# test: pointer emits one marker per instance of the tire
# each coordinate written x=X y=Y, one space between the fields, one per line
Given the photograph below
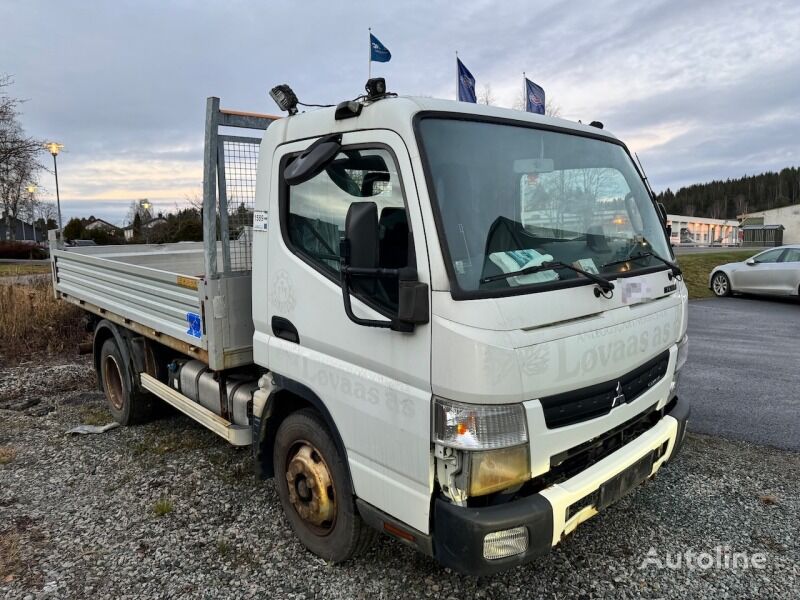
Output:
x=327 y=523
x=128 y=407
x=721 y=285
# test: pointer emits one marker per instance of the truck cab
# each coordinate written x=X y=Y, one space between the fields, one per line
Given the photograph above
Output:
x=458 y=325
x=436 y=275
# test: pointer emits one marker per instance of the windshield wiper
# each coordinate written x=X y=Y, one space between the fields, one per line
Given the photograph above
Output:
x=603 y=283
x=676 y=270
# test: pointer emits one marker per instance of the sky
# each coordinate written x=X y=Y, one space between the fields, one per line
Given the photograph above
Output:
x=701 y=90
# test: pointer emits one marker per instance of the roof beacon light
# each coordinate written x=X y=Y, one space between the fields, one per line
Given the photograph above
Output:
x=285 y=98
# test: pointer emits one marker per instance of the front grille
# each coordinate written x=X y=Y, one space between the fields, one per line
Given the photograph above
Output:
x=597 y=400
x=569 y=463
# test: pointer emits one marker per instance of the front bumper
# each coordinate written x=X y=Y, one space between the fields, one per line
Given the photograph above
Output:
x=459 y=531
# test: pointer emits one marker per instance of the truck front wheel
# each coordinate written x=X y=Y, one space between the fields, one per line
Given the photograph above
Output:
x=315 y=490
x=126 y=406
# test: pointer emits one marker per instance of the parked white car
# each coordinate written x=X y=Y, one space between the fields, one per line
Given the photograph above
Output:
x=775 y=272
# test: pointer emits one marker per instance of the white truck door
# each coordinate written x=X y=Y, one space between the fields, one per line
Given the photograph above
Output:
x=375 y=382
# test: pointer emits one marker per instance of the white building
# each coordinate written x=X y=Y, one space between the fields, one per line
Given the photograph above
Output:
x=788 y=216
x=702 y=231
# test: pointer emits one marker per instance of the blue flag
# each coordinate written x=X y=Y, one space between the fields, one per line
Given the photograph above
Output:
x=466 y=83
x=378 y=52
x=534 y=97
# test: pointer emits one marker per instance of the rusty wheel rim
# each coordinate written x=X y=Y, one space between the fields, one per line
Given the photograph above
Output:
x=311 y=491
x=112 y=381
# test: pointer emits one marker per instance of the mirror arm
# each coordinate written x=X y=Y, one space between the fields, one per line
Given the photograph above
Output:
x=368 y=272
x=346 y=272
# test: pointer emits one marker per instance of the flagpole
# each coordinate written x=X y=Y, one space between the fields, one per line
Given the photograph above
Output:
x=524 y=93
x=456 y=75
x=369 y=62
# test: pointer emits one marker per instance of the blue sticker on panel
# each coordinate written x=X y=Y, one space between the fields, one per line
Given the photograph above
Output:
x=195 y=326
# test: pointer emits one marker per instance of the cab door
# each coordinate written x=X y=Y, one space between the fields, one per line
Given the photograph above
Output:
x=375 y=382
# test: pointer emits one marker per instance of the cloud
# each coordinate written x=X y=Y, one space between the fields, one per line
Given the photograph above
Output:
x=701 y=90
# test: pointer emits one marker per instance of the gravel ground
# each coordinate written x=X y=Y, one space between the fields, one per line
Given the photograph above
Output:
x=168 y=510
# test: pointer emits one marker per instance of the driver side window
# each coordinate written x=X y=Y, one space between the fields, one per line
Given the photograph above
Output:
x=316 y=210
x=770 y=256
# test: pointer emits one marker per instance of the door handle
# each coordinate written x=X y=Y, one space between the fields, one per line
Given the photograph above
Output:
x=284 y=329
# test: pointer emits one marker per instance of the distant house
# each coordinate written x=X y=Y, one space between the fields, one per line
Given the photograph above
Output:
x=20 y=230
x=787 y=216
x=100 y=224
x=703 y=231
x=147 y=225
x=159 y=220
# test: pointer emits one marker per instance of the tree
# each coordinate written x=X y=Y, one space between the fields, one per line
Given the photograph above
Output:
x=137 y=226
x=485 y=96
x=74 y=229
x=140 y=208
x=733 y=197
x=45 y=214
x=18 y=158
x=551 y=109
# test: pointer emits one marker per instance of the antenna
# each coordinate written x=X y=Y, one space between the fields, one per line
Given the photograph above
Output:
x=644 y=177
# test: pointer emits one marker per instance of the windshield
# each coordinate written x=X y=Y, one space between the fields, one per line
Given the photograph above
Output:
x=513 y=197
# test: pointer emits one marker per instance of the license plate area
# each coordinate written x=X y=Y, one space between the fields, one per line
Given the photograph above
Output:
x=619 y=485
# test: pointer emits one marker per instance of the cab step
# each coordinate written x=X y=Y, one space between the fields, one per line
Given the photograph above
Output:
x=238 y=435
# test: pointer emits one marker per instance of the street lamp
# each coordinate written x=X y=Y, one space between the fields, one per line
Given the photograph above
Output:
x=54 y=148
x=31 y=190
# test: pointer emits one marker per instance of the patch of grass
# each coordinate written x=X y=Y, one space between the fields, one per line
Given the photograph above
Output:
x=223 y=548
x=697 y=267
x=33 y=321
x=7 y=454
x=166 y=442
x=93 y=415
x=10 y=563
x=163 y=507
x=16 y=269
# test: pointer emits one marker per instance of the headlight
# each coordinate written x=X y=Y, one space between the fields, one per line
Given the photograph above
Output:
x=478 y=427
x=497 y=470
x=683 y=352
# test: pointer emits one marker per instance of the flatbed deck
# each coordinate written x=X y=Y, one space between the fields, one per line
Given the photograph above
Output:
x=161 y=292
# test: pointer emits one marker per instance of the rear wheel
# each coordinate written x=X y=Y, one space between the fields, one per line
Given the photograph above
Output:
x=315 y=489
x=127 y=406
x=720 y=284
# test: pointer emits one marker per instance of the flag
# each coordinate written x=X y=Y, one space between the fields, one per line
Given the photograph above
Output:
x=466 y=83
x=378 y=52
x=534 y=97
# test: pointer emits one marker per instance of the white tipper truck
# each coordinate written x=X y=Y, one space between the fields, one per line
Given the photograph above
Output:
x=456 y=324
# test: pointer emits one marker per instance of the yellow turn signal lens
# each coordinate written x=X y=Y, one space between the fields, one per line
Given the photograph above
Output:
x=496 y=470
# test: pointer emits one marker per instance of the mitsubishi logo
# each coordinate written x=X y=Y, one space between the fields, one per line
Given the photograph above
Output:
x=619 y=398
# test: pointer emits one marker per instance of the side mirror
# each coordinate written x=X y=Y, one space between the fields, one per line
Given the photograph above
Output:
x=361 y=234
x=751 y=262
x=360 y=260
x=311 y=162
